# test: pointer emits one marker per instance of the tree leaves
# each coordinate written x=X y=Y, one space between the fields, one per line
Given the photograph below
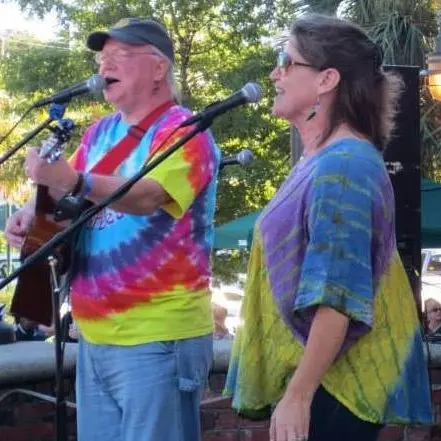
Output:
x=219 y=47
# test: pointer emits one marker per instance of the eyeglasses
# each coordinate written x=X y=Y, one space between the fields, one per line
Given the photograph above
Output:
x=435 y=310
x=119 y=55
x=284 y=61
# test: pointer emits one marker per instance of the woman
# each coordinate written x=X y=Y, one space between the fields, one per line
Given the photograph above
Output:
x=433 y=313
x=331 y=338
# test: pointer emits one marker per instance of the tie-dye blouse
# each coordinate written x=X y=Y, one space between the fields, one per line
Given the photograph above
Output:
x=142 y=278
x=327 y=238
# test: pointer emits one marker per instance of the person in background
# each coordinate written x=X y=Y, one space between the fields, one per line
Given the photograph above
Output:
x=331 y=341
x=29 y=330
x=140 y=288
x=432 y=309
x=220 y=314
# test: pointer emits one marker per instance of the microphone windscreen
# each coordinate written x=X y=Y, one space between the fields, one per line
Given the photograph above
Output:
x=96 y=83
x=245 y=157
x=252 y=92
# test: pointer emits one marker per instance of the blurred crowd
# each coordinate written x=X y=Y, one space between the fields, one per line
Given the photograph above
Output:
x=23 y=329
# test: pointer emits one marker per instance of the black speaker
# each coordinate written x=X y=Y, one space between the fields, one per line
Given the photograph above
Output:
x=402 y=158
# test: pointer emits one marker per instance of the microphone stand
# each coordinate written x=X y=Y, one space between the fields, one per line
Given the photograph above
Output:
x=49 y=248
x=56 y=111
x=25 y=140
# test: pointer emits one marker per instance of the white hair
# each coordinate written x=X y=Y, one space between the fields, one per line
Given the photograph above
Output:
x=171 y=77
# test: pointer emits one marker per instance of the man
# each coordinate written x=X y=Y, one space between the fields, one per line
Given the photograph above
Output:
x=140 y=290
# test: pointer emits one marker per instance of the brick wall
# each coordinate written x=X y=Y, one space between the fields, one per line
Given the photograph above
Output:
x=220 y=422
x=27 y=418
x=24 y=418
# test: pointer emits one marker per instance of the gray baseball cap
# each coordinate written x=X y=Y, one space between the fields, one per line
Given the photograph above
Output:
x=135 y=31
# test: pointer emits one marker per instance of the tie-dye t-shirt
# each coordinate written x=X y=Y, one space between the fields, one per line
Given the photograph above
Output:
x=142 y=278
x=328 y=238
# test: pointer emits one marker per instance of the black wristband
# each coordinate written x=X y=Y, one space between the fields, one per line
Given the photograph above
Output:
x=78 y=185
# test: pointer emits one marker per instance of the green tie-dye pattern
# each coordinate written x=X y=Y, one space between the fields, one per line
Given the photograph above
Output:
x=369 y=374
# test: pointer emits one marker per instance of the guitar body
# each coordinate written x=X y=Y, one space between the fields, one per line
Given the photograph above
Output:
x=33 y=294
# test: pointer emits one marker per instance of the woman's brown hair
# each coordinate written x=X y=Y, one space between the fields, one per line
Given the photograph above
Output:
x=367 y=96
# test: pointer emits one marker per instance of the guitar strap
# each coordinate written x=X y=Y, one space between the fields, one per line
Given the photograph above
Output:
x=23 y=302
x=110 y=162
x=69 y=206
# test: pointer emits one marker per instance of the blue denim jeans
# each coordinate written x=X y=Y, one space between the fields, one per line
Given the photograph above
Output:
x=148 y=392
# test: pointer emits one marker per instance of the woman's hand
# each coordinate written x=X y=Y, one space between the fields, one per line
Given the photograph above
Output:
x=290 y=420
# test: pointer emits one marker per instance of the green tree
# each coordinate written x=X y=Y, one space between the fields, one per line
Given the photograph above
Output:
x=220 y=45
x=405 y=29
x=30 y=65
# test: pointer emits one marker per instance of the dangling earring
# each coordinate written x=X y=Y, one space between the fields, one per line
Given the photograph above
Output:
x=155 y=89
x=314 y=110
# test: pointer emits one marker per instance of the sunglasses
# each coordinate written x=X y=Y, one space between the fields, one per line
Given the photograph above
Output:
x=435 y=310
x=285 y=61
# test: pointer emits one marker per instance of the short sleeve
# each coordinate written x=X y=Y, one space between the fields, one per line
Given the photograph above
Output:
x=337 y=267
x=78 y=160
x=187 y=171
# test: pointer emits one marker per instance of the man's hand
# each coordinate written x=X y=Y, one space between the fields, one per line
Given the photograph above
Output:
x=58 y=175
x=17 y=226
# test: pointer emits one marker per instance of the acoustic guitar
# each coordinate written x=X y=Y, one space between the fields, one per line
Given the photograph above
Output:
x=32 y=297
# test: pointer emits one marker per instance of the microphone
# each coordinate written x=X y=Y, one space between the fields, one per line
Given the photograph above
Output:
x=244 y=157
x=250 y=93
x=94 y=84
